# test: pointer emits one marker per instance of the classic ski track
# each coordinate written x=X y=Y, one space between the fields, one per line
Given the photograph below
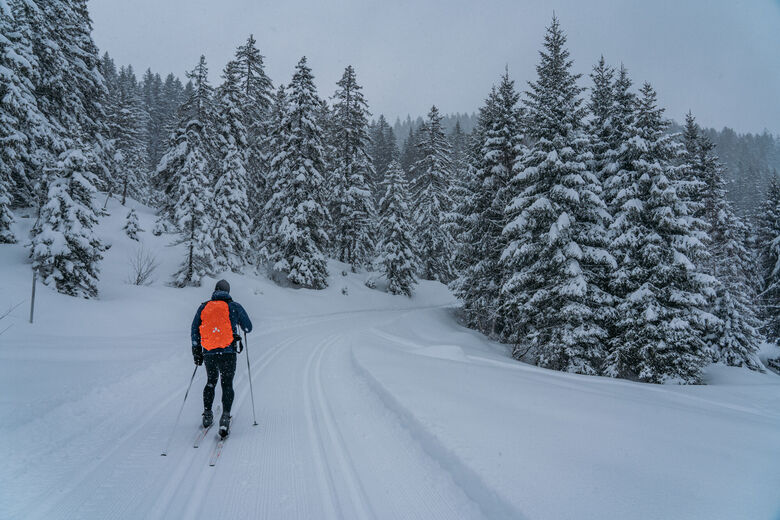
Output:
x=326 y=427
x=323 y=432
x=54 y=499
x=52 y=507
x=198 y=492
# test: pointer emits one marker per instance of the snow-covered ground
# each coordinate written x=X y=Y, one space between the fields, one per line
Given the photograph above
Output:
x=369 y=406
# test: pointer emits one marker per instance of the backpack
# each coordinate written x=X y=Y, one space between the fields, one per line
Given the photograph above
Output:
x=216 y=331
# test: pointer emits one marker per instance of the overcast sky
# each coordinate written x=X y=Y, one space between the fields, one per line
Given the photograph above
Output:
x=718 y=58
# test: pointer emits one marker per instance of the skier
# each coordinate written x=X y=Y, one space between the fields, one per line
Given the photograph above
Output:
x=215 y=340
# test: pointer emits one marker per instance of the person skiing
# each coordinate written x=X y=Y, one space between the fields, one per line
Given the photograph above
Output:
x=215 y=342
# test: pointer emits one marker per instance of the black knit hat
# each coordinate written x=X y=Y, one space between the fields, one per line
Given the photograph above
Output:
x=222 y=285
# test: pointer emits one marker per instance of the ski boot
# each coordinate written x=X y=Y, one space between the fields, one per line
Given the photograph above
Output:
x=224 y=425
x=208 y=418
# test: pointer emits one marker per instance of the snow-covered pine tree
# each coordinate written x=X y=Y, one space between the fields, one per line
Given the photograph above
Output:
x=194 y=130
x=384 y=150
x=601 y=129
x=352 y=205
x=21 y=123
x=131 y=227
x=295 y=237
x=769 y=259
x=662 y=318
x=410 y=153
x=64 y=248
x=458 y=190
x=432 y=206
x=556 y=257
x=397 y=256
x=497 y=147
x=730 y=261
x=73 y=90
x=274 y=145
x=257 y=92
x=131 y=122
x=231 y=208
x=184 y=172
x=613 y=138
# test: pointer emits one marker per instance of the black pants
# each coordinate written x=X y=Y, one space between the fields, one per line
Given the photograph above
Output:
x=219 y=365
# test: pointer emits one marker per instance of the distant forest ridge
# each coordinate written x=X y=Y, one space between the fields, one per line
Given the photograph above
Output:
x=751 y=159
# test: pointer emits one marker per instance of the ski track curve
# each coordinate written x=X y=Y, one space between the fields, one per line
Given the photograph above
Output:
x=326 y=446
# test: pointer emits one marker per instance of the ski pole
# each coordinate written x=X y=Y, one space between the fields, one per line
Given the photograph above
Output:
x=249 y=369
x=168 y=445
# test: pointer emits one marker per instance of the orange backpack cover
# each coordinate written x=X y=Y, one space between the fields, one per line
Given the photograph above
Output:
x=215 y=329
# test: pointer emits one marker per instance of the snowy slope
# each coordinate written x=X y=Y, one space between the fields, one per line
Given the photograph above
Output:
x=370 y=406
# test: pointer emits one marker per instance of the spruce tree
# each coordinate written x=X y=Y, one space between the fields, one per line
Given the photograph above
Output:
x=194 y=130
x=64 y=248
x=736 y=337
x=130 y=121
x=397 y=256
x=296 y=239
x=769 y=259
x=556 y=257
x=256 y=90
x=601 y=127
x=231 y=207
x=663 y=293
x=384 y=149
x=20 y=119
x=432 y=206
x=274 y=142
x=352 y=206
x=497 y=148
x=184 y=174
x=131 y=227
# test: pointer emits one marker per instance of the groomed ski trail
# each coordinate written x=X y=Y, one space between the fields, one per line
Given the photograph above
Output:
x=326 y=445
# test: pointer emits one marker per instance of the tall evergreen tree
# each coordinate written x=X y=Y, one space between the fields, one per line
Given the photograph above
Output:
x=410 y=153
x=130 y=121
x=663 y=294
x=610 y=139
x=397 y=256
x=384 y=148
x=183 y=175
x=736 y=335
x=231 y=207
x=194 y=130
x=296 y=239
x=432 y=210
x=352 y=204
x=497 y=148
x=64 y=248
x=557 y=256
x=257 y=92
x=20 y=120
x=601 y=126
x=769 y=259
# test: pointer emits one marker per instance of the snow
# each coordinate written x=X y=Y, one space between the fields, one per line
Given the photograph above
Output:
x=369 y=406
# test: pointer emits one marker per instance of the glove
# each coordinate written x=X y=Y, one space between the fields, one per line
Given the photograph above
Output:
x=198 y=358
x=238 y=342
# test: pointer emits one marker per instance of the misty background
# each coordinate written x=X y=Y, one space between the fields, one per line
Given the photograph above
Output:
x=719 y=59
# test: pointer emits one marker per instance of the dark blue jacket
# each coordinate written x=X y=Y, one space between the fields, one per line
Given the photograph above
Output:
x=238 y=318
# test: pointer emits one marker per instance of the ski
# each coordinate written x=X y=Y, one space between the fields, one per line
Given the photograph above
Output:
x=217 y=451
x=202 y=432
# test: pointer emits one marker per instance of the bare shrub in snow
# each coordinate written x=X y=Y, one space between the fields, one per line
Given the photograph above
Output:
x=142 y=266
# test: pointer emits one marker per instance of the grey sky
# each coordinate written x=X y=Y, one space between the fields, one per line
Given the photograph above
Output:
x=719 y=58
